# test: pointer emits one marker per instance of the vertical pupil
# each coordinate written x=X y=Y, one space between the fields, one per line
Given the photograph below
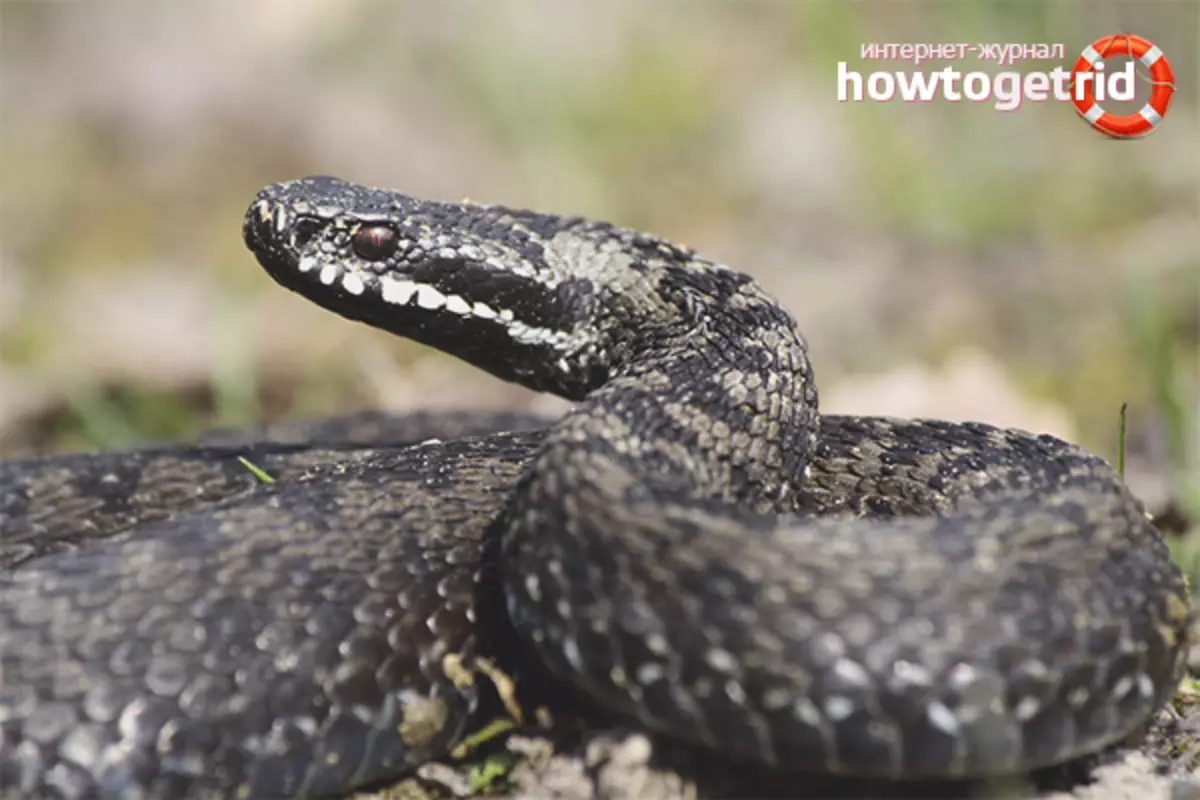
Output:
x=375 y=243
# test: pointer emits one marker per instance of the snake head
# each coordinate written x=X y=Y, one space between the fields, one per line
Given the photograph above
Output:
x=474 y=281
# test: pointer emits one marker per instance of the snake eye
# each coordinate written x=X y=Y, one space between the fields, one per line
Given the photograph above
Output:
x=375 y=243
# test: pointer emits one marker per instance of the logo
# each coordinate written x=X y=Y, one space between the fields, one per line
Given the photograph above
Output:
x=1084 y=86
x=1088 y=72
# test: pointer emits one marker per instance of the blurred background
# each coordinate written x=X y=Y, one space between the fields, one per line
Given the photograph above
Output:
x=944 y=259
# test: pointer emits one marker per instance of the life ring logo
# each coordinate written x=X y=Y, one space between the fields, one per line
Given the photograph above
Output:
x=1084 y=75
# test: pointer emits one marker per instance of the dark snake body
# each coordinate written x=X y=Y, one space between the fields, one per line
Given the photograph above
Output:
x=691 y=545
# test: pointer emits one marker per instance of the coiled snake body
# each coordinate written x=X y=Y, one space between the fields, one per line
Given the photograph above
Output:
x=690 y=545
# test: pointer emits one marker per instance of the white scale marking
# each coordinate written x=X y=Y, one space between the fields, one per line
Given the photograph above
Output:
x=806 y=712
x=353 y=284
x=329 y=274
x=649 y=673
x=429 y=297
x=1027 y=708
x=571 y=651
x=942 y=718
x=307 y=264
x=837 y=707
x=400 y=292
x=721 y=660
x=397 y=292
x=851 y=672
x=963 y=675
x=908 y=674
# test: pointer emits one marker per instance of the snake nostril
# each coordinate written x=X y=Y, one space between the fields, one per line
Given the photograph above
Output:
x=304 y=231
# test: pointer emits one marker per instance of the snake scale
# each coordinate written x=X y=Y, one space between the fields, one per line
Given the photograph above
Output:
x=691 y=545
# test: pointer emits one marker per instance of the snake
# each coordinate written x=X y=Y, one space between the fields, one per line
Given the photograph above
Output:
x=692 y=545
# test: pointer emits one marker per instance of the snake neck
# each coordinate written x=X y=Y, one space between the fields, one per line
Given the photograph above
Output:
x=713 y=422
x=685 y=366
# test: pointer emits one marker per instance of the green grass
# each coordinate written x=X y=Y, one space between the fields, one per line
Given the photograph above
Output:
x=255 y=470
x=100 y=418
x=1174 y=386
